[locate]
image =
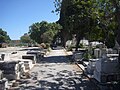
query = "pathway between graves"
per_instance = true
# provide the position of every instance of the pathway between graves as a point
(56, 72)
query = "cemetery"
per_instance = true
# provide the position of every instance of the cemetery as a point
(16, 65)
(102, 67)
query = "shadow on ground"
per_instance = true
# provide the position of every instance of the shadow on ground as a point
(55, 59)
(70, 83)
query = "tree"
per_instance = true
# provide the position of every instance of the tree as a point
(37, 29)
(113, 12)
(25, 38)
(47, 37)
(97, 15)
(116, 5)
(57, 4)
(75, 15)
(3, 36)
(43, 32)
(61, 6)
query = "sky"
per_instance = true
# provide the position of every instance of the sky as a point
(17, 15)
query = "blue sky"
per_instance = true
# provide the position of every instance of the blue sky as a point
(17, 15)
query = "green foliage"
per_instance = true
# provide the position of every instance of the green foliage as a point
(57, 4)
(92, 19)
(87, 56)
(47, 37)
(47, 45)
(111, 40)
(43, 32)
(25, 38)
(77, 17)
(81, 46)
(69, 48)
(3, 36)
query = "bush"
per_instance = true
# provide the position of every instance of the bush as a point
(69, 48)
(43, 45)
(81, 46)
(87, 55)
(47, 45)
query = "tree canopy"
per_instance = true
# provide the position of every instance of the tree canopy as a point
(25, 38)
(3, 36)
(92, 19)
(43, 32)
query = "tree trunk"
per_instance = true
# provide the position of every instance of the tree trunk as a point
(118, 40)
(118, 21)
(64, 36)
(64, 41)
(117, 16)
(118, 32)
(78, 38)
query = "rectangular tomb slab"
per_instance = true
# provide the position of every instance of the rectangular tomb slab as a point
(3, 84)
(31, 57)
(10, 69)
